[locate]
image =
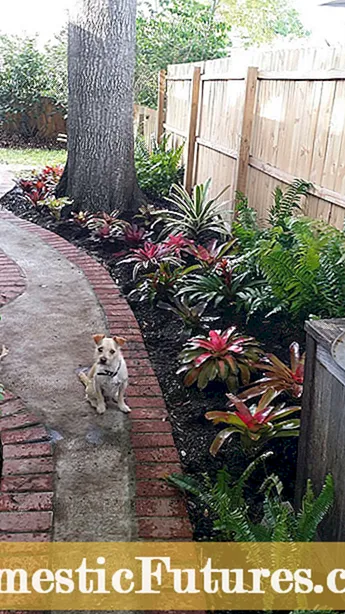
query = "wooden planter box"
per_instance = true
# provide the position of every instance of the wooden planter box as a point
(322, 440)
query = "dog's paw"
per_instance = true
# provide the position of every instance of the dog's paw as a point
(125, 409)
(101, 409)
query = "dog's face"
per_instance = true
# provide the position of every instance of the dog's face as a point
(107, 348)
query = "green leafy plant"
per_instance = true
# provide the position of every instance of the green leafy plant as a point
(175, 31)
(287, 202)
(159, 169)
(296, 265)
(226, 356)
(213, 255)
(2, 392)
(305, 268)
(55, 205)
(221, 498)
(41, 185)
(256, 424)
(225, 502)
(220, 286)
(150, 256)
(103, 225)
(278, 376)
(161, 284)
(195, 216)
(192, 315)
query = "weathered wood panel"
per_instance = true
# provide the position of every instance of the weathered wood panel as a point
(321, 445)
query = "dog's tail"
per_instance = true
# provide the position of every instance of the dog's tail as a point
(84, 378)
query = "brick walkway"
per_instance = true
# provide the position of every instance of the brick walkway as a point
(26, 485)
(160, 510)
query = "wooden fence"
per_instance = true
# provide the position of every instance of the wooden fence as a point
(260, 118)
(44, 121)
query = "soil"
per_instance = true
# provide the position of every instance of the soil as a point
(162, 332)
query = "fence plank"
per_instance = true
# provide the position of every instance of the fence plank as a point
(247, 127)
(160, 103)
(193, 118)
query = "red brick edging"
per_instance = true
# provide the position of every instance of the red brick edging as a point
(12, 279)
(26, 485)
(160, 510)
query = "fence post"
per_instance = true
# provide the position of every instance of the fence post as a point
(160, 104)
(193, 118)
(246, 130)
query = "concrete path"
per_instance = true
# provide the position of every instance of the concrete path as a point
(6, 180)
(108, 481)
(48, 332)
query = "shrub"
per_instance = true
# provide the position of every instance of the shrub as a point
(197, 216)
(224, 501)
(159, 169)
(256, 424)
(192, 316)
(279, 376)
(226, 356)
(29, 74)
(150, 256)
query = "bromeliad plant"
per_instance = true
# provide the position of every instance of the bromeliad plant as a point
(195, 216)
(279, 376)
(55, 205)
(105, 226)
(226, 356)
(256, 424)
(41, 184)
(159, 285)
(213, 255)
(134, 235)
(219, 286)
(150, 256)
(192, 315)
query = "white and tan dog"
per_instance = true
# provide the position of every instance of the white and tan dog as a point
(108, 377)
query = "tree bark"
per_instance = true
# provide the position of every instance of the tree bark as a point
(101, 61)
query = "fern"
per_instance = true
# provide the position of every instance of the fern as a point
(314, 510)
(286, 203)
(279, 523)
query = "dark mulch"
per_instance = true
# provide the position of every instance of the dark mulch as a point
(162, 333)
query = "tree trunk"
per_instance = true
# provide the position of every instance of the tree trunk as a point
(101, 60)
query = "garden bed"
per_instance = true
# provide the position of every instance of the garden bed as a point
(162, 332)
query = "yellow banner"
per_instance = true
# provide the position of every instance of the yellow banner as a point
(172, 576)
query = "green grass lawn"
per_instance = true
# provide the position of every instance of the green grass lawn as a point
(32, 158)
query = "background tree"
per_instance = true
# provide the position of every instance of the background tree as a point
(28, 74)
(261, 21)
(101, 59)
(176, 31)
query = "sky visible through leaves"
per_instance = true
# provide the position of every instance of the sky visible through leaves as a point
(45, 17)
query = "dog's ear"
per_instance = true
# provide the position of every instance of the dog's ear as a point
(98, 338)
(120, 340)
